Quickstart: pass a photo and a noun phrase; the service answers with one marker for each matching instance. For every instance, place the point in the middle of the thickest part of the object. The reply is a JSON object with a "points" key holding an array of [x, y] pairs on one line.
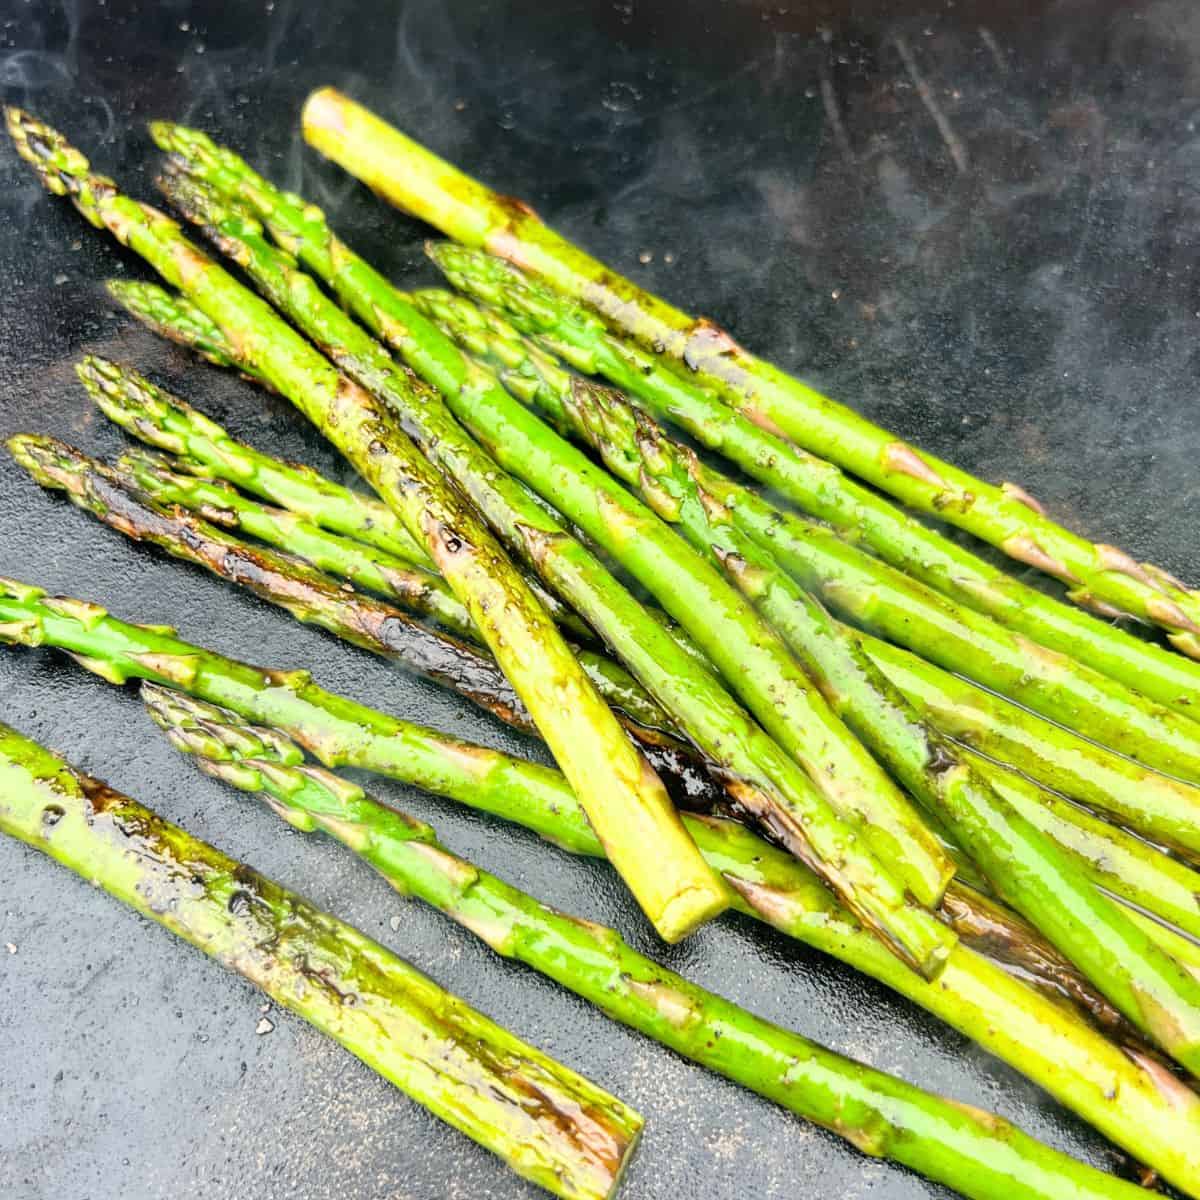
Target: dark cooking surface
{"points": [[1032, 315]]}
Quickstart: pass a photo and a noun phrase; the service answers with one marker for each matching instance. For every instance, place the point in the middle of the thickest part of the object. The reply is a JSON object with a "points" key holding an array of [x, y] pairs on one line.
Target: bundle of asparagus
{"points": [[1024, 866], [1001, 791], [976, 1153]]}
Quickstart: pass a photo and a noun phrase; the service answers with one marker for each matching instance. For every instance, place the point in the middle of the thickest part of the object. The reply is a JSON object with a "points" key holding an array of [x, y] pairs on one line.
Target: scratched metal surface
{"points": [[979, 228]]}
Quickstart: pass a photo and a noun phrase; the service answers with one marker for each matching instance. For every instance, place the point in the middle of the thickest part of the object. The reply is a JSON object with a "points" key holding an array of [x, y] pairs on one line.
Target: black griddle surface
{"points": [[1015, 290]]}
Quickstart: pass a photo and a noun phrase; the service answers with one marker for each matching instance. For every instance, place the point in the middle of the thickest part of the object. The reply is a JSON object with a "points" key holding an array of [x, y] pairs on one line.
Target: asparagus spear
{"points": [[1163, 809], [313, 597], [1154, 1118], [598, 965], [564, 328], [411, 177], [881, 598], [1117, 862], [624, 799], [781, 698], [414, 589], [546, 1122]]}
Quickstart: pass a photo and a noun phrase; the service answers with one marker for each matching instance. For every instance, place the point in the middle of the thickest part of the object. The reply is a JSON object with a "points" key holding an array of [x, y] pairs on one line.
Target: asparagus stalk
{"points": [[880, 597], [373, 625], [852, 783], [1118, 862], [1097, 575], [564, 328], [595, 963], [547, 1123], [876, 595], [1159, 806], [624, 799], [1154, 1118], [335, 729], [1027, 868]]}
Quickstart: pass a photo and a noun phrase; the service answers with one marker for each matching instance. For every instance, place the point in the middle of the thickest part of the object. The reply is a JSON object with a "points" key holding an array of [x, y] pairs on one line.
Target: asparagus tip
{"points": [[47, 459]]}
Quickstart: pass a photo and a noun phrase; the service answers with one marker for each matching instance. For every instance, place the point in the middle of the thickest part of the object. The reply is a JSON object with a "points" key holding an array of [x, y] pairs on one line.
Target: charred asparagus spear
{"points": [[592, 961], [625, 800], [768, 679], [414, 179], [417, 591], [1035, 1035], [546, 1122]]}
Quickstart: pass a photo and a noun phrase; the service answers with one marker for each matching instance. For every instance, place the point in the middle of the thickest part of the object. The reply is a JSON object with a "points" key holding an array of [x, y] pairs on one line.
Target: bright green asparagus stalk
{"points": [[859, 513], [546, 1122], [596, 964], [1027, 868], [314, 598], [782, 696], [876, 595], [1153, 1117], [624, 799], [1164, 809], [411, 177]]}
